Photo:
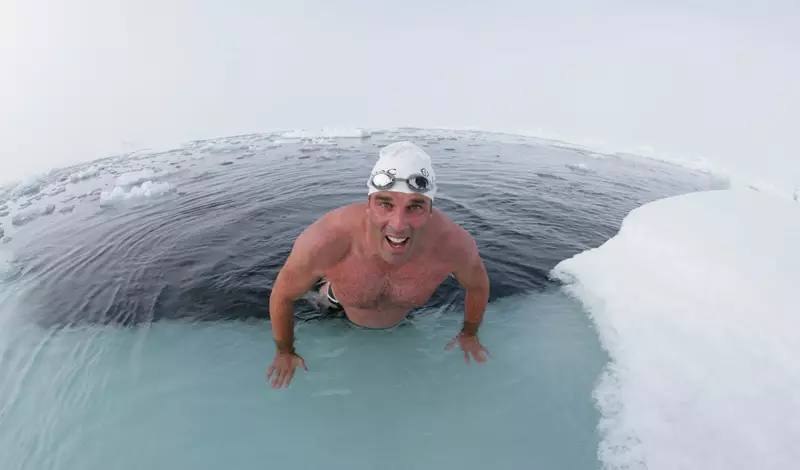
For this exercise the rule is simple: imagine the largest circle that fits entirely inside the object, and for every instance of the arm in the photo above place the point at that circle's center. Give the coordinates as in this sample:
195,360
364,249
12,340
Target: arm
318,247
470,272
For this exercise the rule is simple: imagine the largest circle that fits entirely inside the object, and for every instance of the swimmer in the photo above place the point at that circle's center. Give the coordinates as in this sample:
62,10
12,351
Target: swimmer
376,260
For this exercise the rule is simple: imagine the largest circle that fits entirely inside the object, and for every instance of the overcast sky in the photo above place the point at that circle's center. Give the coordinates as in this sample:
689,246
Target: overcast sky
80,79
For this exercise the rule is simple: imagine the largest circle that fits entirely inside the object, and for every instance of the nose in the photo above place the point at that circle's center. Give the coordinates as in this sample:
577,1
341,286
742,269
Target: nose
398,222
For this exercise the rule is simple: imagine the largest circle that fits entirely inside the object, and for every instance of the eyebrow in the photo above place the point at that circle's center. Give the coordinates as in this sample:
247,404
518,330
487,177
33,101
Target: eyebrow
411,201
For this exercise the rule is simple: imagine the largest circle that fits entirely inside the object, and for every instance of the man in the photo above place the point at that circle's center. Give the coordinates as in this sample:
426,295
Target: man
379,259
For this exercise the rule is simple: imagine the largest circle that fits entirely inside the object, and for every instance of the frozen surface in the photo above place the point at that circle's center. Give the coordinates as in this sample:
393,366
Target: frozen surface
695,301
327,132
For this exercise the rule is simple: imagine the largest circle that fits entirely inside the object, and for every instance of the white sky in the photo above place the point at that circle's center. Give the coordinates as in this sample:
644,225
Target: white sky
80,79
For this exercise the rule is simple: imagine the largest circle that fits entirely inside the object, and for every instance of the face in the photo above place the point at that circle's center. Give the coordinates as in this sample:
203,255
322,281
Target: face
397,222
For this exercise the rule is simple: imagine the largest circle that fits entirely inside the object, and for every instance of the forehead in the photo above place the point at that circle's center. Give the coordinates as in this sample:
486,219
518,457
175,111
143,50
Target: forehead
399,198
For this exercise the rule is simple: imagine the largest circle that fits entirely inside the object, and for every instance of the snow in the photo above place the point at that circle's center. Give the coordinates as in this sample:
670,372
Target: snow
695,301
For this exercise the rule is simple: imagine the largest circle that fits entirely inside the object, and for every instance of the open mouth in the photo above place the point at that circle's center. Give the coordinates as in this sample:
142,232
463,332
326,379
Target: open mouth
395,242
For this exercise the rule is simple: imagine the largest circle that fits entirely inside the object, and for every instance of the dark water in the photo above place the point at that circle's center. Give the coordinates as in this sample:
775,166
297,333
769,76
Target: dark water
211,248
134,331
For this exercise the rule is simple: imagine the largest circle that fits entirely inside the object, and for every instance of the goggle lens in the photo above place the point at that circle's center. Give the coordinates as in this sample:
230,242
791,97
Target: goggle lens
382,180
418,182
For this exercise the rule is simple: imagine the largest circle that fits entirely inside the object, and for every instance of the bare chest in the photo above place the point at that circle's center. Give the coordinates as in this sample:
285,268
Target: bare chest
360,284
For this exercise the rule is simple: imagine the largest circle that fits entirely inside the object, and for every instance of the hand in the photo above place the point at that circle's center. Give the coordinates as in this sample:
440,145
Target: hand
470,344
283,367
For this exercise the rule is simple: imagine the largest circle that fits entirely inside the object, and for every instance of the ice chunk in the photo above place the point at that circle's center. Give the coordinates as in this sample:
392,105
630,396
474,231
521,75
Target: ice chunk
28,186
226,147
2,232
135,177
56,190
579,167
147,189
25,216
90,172
696,302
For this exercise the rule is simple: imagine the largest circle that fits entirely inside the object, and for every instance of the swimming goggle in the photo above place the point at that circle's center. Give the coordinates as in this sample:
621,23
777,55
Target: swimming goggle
383,180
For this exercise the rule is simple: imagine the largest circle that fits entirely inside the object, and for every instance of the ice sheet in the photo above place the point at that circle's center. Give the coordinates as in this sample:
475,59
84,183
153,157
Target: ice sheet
696,302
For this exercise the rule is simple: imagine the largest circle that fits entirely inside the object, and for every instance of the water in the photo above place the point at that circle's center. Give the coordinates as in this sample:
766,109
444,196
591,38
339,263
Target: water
135,326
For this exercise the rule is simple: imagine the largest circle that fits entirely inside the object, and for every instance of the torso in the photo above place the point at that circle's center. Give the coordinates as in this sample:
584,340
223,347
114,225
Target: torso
376,295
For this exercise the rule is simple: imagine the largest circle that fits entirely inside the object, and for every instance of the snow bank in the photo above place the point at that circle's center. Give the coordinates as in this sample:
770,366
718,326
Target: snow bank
327,132
147,189
696,302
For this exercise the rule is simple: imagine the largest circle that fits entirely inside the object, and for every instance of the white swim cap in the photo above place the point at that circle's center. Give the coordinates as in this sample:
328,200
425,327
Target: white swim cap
405,160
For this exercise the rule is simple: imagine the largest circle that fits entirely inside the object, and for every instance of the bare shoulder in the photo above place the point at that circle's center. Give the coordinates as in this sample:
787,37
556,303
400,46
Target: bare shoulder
460,251
326,241
457,244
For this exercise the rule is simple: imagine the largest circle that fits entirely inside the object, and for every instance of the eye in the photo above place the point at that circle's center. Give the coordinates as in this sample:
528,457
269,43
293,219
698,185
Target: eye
386,205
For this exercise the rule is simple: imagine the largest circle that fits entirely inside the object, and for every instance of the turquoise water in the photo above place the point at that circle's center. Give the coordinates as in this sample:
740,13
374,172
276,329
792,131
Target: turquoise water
181,395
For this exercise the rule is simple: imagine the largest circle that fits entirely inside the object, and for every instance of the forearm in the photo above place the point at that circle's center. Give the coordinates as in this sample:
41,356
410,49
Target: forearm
474,308
281,312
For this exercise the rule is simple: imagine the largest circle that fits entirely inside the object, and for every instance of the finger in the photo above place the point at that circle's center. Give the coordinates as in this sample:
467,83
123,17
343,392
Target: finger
466,356
277,379
287,377
483,348
303,363
479,356
450,345
270,371
281,380
291,376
